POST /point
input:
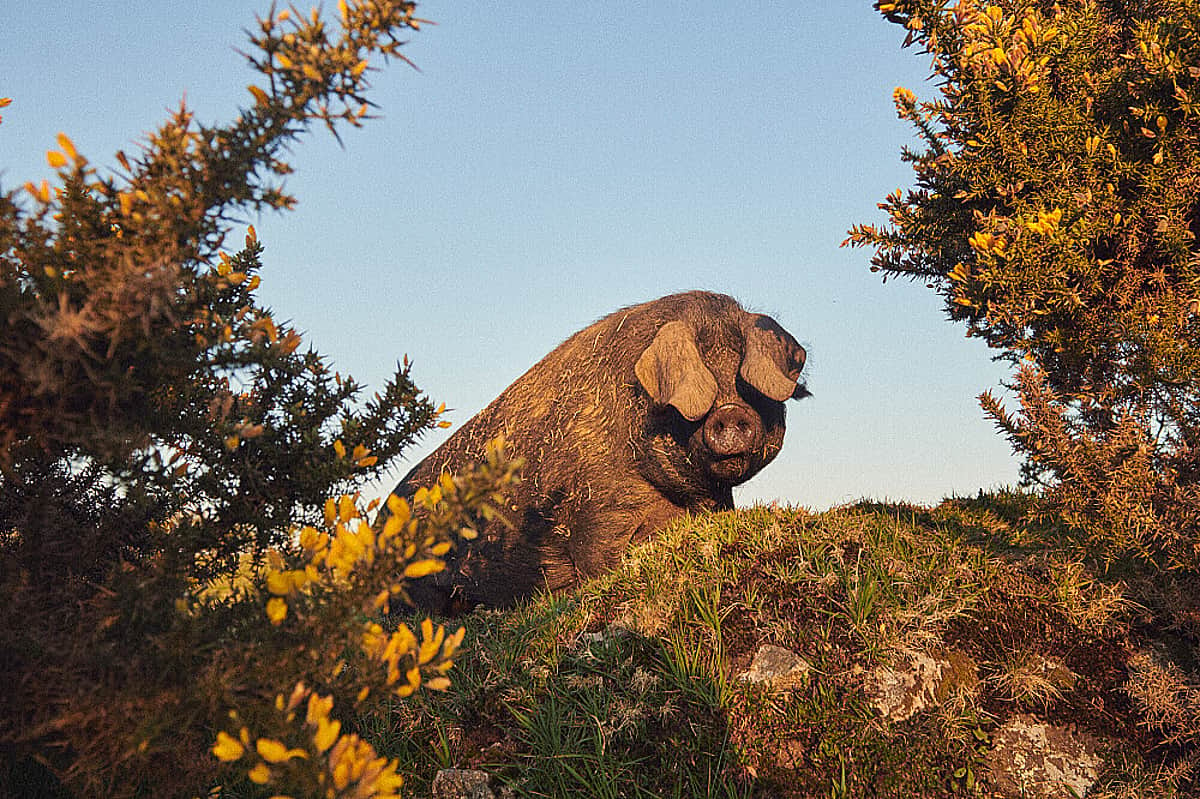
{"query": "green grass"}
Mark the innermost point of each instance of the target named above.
(628, 686)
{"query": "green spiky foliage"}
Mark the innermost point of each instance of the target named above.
(1055, 212)
(188, 578)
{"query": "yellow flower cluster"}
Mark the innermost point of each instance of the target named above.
(351, 542)
(905, 100)
(346, 767)
(404, 656)
(361, 456)
(1046, 222)
(57, 159)
(68, 154)
(352, 545)
(347, 552)
(359, 773)
(1007, 46)
(282, 583)
(403, 661)
(986, 243)
(959, 277)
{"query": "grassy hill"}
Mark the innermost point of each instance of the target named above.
(922, 652)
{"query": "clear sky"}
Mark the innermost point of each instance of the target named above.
(552, 161)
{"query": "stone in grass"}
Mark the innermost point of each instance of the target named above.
(901, 693)
(777, 668)
(1030, 758)
(456, 783)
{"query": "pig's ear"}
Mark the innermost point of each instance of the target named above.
(773, 360)
(672, 373)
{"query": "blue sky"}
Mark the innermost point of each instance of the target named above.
(552, 161)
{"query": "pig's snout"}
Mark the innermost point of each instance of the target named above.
(732, 430)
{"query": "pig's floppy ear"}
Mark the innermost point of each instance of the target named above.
(773, 360)
(672, 373)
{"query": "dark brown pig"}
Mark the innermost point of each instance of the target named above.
(653, 411)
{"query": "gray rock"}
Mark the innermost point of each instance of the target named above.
(901, 693)
(1030, 758)
(455, 783)
(778, 668)
(924, 680)
(612, 632)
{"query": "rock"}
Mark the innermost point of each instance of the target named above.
(455, 783)
(901, 693)
(778, 668)
(612, 632)
(1030, 758)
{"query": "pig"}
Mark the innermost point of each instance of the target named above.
(656, 410)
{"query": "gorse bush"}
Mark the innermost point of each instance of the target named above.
(1056, 212)
(191, 591)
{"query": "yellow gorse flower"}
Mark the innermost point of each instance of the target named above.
(260, 774)
(346, 509)
(286, 582)
(983, 242)
(273, 751)
(431, 642)
(68, 146)
(421, 568)
(278, 583)
(904, 100)
(318, 708)
(259, 95)
(408, 659)
(58, 159)
(403, 654)
(1046, 222)
(351, 766)
(353, 760)
(400, 513)
(311, 538)
(326, 734)
(1010, 49)
(363, 457)
(352, 545)
(228, 748)
(276, 610)
(40, 192)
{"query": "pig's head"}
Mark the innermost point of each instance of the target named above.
(716, 387)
